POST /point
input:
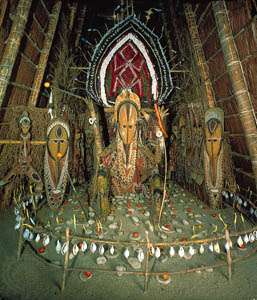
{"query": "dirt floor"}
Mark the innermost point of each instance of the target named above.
(33, 278)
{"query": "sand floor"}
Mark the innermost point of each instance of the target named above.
(33, 278)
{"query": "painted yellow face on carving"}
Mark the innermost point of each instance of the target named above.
(213, 135)
(57, 142)
(127, 122)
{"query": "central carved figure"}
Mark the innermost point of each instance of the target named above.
(127, 162)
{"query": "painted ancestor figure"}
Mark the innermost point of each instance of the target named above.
(127, 163)
(56, 162)
(23, 166)
(213, 154)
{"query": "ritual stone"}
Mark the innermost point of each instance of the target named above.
(88, 231)
(147, 214)
(135, 219)
(163, 236)
(174, 222)
(91, 214)
(185, 222)
(113, 226)
(134, 263)
(101, 260)
(120, 269)
(164, 258)
(209, 270)
(110, 218)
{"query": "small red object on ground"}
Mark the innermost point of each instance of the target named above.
(41, 250)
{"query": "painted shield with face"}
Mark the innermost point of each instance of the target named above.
(57, 141)
(56, 161)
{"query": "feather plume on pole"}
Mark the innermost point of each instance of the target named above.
(50, 105)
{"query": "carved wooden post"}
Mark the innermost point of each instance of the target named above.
(239, 84)
(12, 47)
(199, 54)
(54, 17)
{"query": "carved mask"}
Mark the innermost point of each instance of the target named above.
(214, 128)
(127, 122)
(25, 123)
(58, 141)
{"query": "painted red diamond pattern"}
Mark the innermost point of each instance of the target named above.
(129, 70)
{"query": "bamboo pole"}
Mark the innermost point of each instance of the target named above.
(238, 80)
(66, 260)
(79, 29)
(54, 17)
(199, 54)
(12, 47)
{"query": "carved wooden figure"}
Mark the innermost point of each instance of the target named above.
(213, 154)
(56, 162)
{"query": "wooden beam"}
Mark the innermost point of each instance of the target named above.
(238, 80)
(247, 157)
(13, 44)
(28, 60)
(250, 175)
(54, 17)
(45, 8)
(204, 13)
(39, 26)
(32, 42)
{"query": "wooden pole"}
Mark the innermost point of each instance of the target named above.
(3, 7)
(199, 54)
(17, 142)
(66, 259)
(238, 80)
(229, 257)
(54, 17)
(12, 46)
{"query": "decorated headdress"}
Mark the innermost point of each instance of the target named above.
(129, 56)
